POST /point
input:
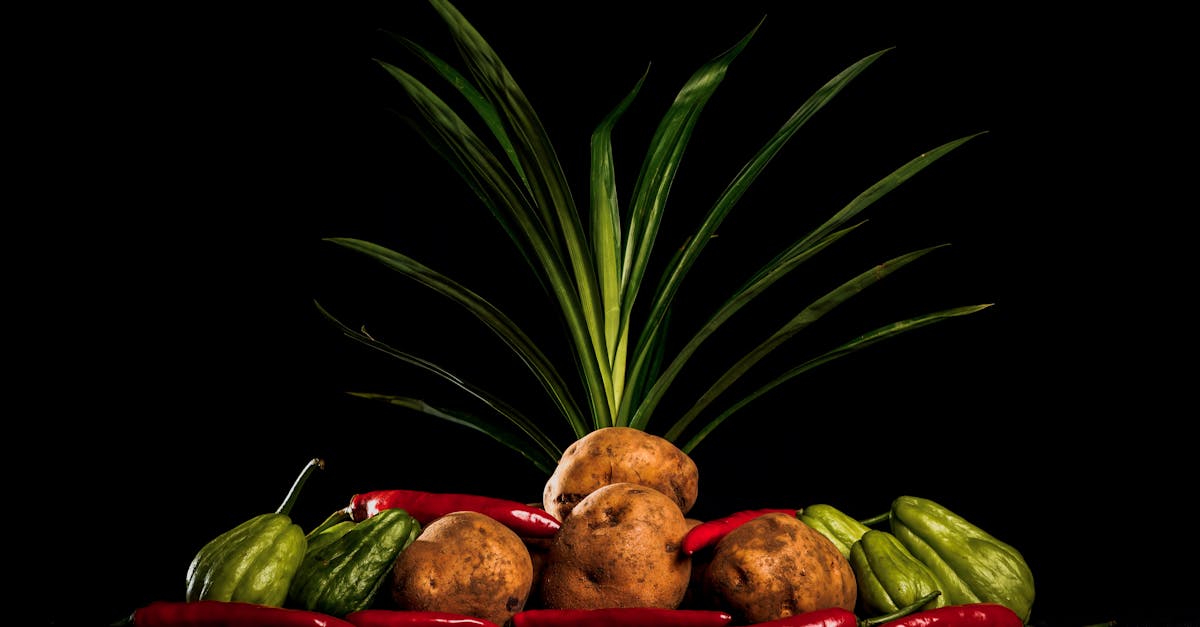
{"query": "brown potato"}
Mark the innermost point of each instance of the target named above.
(776, 566)
(464, 563)
(617, 455)
(619, 548)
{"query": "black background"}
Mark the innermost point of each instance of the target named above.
(179, 169)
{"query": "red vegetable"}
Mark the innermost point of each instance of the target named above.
(210, 613)
(831, 617)
(838, 617)
(412, 618)
(709, 533)
(621, 617)
(527, 521)
(966, 615)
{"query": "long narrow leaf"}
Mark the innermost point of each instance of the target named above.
(482, 106)
(526, 426)
(551, 195)
(516, 339)
(660, 166)
(676, 271)
(877, 191)
(858, 343)
(482, 166)
(545, 461)
(740, 299)
(606, 236)
(448, 154)
(801, 321)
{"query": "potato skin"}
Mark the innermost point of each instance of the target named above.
(617, 455)
(620, 548)
(776, 566)
(465, 563)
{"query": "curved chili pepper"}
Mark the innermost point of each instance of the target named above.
(966, 615)
(709, 533)
(620, 617)
(212, 613)
(413, 618)
(839, 617)
(830, 617)
(527, 521)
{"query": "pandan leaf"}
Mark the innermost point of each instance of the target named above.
(597, 276)
(862, 341)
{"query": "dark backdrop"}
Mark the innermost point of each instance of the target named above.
(184, 166)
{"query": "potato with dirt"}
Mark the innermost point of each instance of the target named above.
(776, 566)
(616, 455)
(464, 563)
(619, 548)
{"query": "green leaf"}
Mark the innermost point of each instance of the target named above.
(508, 331)
(531, 430)
(679, 268)
(545, 461)
(780, 267)
(653, 185)
(801, 321)
(552, 201)
(596, 275)
(482, 106)
(606, 238)
(858, 343)
(875, 192)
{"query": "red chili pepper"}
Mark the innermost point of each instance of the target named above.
(830, 617)
(966, 615)
(211, 613)
(709, 533)
(413, 618)
(620, 617)
(527, 521)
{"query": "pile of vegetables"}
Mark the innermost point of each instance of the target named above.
(611, 544)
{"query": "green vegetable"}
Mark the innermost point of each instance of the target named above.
(889, 577)
(840, 528)
(255, 561)
(970, 565)
(344, 575)
(329, 531)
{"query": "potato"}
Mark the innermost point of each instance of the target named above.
(616, 455)
(619, 548)
(776, 566)
(464, 563)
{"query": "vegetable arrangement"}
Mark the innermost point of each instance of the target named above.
(610, 543)
(623, 554)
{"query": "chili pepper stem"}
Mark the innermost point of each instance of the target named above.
(286, 507)
(900, 613)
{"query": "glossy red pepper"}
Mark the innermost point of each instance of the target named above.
(211, 613)
(709, 533)
(526, 520)
(965, 615)
(839, 617)
(831, 617)
(413, 618)
(621, 617)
